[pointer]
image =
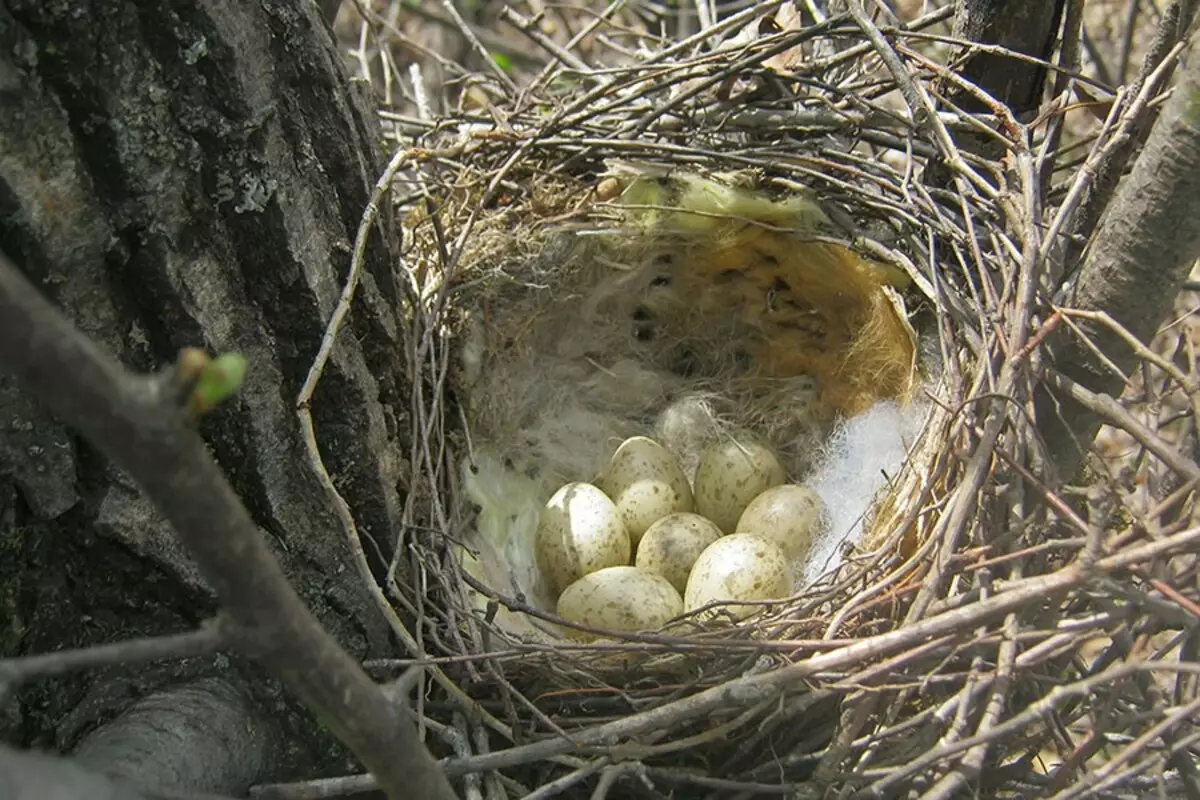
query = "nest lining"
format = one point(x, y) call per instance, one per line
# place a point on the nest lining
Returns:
point(637, 318)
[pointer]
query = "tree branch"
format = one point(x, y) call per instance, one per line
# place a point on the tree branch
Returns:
point(145, 433)
point(1029, 27)
point(1137, 262)
point(208, 735)
point(34, 776)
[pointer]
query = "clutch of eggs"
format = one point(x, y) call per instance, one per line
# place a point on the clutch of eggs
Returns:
point(640, 545)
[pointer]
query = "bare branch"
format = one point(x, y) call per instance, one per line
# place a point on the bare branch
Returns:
point(145, 434)
point(33, 776)
point(14, 671)
point(1140, 257)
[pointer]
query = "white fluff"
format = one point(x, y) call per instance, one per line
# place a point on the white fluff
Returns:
point(853, 469)
point(510, 506)
point(858, 460)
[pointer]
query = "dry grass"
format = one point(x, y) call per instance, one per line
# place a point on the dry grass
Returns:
point(996, 633)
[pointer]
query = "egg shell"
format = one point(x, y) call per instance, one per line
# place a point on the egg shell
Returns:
point(672, 545)
point(732, 473)
point(579, 532)
point(789, 515)
point(626, 599)
point(647, 482)
point(742, 566)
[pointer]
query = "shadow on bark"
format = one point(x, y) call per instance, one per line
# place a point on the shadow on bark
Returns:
point(177, 174)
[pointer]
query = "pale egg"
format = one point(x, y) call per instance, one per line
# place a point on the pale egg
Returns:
point(789, 515)
point(579, 532)
point(647, 483)
point(732, 473)
point(626, 599)
point(741, 567)
point(672, 545)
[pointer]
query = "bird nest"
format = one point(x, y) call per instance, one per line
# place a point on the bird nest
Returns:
point(755, 239)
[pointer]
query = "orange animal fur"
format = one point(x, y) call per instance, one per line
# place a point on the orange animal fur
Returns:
point(794, 307)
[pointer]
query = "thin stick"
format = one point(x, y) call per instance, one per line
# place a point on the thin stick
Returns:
point(469, 34)
point(144, 432)
point(208, 639)
point(1116, 415)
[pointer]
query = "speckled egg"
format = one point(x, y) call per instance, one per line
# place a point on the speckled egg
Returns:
point(672, 545)
point(731, 473)
point(626, 599)
point(579, 532)
point(789, 515)
point(743, 567)
point(647, 483)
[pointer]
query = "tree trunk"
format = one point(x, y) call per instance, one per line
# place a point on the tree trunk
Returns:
point(190, 173)
point(34, 776)
point(1028, 27)
point(1136, 264)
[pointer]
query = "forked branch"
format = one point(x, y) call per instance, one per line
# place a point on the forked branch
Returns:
point(144, 431)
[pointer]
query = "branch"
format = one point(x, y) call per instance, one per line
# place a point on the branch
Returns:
point(1140, 257)
point(33, 776)
point(145, 433)
point(1026, 27)
point(15, 671)
point(209, 735)
point(1174, 21)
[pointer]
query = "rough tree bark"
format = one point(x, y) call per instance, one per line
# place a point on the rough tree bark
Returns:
point(32, 775)
point(1144, 249)
point(1029, 27)
point(189, 173)
point(179, 737)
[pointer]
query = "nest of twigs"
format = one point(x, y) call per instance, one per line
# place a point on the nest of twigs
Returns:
point(994, 631)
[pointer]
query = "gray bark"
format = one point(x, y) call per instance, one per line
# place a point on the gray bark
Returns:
point(208, 736)
point(1143, 251)
point(192, 173)
point(1029, 27)
point(37, 776)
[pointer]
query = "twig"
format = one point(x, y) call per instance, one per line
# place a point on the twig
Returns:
point(529, 28)
point(1068, 62)
point(304, 413)
point(1103, 775)
point(318, 789)
point(146, 434)
point(15, 671)
point(560, 785)
point(469, 34)
point(1105, 170)
point(1116, 415)
point(587, 30)
point(612, 773)
point(1075, 215)
point(1017, 722)
point(973, 760)
point(742, 692)
point(420, 96)
point(924, 114)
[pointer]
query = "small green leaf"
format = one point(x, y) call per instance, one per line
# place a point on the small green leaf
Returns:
point(503, 62)
point(219, 380)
